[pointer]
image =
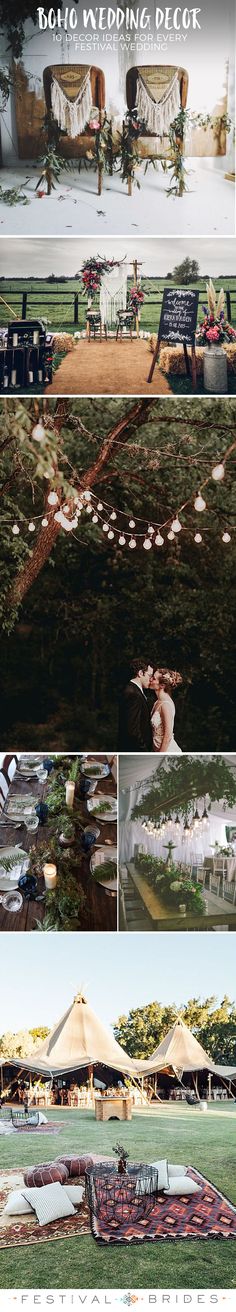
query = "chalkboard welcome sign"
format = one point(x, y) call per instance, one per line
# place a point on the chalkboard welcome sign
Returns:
point(178, 322)
point(178, 319)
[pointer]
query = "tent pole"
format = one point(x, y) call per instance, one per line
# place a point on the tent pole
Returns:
point(209, 1086)
point(195, 1081)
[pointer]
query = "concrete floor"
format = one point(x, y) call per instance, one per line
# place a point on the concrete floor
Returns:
point(207, 209)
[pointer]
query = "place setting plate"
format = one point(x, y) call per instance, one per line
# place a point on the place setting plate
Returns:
point(19, 808)
point(102, 807)
point(9, 879)
point(95, 769)
point(98, 859)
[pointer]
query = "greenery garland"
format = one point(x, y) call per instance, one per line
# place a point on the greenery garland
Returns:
point(185, 779)
point(175, 887)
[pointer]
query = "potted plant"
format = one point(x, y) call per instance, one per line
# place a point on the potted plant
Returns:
point(212, 333)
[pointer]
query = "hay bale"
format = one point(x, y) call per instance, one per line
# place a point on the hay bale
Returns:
point(231, 355)
point(63, 342)
point(172, 361)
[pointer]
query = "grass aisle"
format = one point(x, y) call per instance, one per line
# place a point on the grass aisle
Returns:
point(181, 1133)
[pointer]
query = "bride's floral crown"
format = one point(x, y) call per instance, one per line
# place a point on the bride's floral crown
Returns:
point(171, 676)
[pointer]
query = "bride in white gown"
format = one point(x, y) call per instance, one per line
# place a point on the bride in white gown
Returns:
point(163, 711)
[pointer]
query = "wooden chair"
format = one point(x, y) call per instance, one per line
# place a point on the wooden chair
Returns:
point(156, 78)
point(94, 325)
point(125, 319)
point(70, 78)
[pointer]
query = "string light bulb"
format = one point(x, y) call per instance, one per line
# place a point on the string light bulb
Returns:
point(15, 530)
point(218, 472)
point(132, 543)
point(159, 540)
point(87, 495)
point(100, 505)
point(53, 499)
point(171, 535)
point(151, 530)
point(176, 525)
point(105, 528)
point(94, 519)
point(31, 526)
point(147, 544)
point(199, 503)
point(111, 533)
point(198, 537)
point(38, 432)
point(226, 537)
point(205, 818)
point(44, 522)
point(122, 540)
point(113, 515)
point(131, 523)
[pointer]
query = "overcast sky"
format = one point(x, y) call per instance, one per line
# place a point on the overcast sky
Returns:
point(116, 971)
point(41, 256)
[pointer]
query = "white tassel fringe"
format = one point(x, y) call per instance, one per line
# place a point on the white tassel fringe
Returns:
point(72, 115)
point(157, 115)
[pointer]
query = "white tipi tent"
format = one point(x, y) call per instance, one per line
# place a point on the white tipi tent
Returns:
point(77, 1041)
point(179, 1051)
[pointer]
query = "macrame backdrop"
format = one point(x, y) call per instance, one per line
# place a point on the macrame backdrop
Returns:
point(113, 294)
point(157, 98)
point(72, 115)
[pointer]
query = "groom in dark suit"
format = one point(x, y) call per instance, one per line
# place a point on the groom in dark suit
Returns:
point(135, 733)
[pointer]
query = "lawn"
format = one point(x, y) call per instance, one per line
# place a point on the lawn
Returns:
point(181, 1133)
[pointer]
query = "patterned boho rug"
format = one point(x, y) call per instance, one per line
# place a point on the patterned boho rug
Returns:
point(17, 1231)
point(50, 1128)
point(207, 1215)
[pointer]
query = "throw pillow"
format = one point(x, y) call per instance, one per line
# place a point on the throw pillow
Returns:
point(176, 1170)
point(183, 1184)
point(47, 1173)
point(75, 1192)
point(163, 1176)
point(49, 1202)
point(16, 1204)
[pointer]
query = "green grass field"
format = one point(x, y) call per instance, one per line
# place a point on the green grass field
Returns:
point(55, 301)
point(179, 1132)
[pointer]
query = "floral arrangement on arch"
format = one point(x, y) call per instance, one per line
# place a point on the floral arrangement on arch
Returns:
point(92, 272)
point(135, 299)
point(214, 329)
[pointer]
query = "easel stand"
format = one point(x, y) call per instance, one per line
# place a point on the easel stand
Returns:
point(186, 357)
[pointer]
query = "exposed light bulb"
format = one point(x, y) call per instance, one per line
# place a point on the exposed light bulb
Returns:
point(58, 517)
point(66, 510)
point(44, 522)
point(15, 530)
point(147, 544)
point(87, 495)
point(122, 540)
point(132, 543)
point(38, 432)
point(218, 473)
point(171, 535)
point(94, 519)
point(151, 530)
point(105, 528)
point(89, 509)
point(99, 505)
point(31, 526)
point(199, 503)
point(226, 537)
point(131, 523)
point(198, 537)
point(52, 498)
point(111, 533)
point(113, 515)
point(159, 540)
point(176, 525)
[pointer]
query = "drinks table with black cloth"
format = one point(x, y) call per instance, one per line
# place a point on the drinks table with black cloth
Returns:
point(163, 917)
point(100, 907)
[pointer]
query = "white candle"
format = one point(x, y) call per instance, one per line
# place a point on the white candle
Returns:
point(36, 337)
point(40, 375)
point(70, 793)
point(13, 377)
point(31, 376)
point(15, 339)
point(50, 875)
point(182, 909)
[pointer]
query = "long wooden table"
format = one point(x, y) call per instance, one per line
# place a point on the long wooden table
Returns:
point(100, 910)
point(163, 917)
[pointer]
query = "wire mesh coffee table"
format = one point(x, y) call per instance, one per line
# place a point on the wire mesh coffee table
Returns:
point(114, 1197)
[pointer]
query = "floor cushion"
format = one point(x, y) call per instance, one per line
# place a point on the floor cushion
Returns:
point(16, 1204)
point(182, 1184)
point(163, 1176)
point(49, 1202)
point(176, 1170)
point(75, 1192)
point(77, 1165)
point(47, 1173)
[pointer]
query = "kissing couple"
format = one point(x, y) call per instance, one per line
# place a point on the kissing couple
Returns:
point(147, 710)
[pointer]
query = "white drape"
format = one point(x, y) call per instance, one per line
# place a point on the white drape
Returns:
point(113, 295)
point(72, 115)
point(157, 114)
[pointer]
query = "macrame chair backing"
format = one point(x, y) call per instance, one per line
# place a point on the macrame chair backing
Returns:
point(29, 112)
point(74, 81)
point(158, 91)
point(113, 295)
